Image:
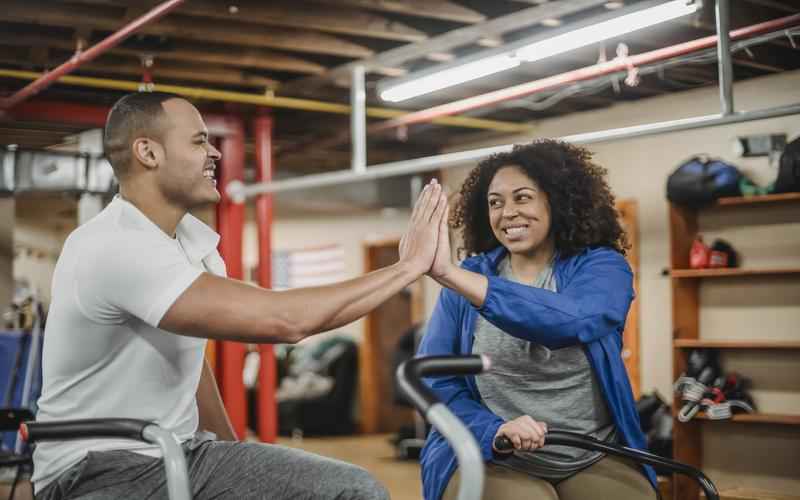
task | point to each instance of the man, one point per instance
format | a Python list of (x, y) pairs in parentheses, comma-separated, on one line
[(138, 289)]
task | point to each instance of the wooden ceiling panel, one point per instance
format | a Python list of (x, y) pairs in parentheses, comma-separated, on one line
[(215, 54), (346, 21), (43, 13), (434, 9)]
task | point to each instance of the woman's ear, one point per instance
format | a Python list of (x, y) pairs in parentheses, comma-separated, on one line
[(147, 152)]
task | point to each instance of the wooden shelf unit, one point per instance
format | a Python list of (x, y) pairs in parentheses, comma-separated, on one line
[(758, 200), (736, 344), (726, 272), (757, 418), (684, 227)]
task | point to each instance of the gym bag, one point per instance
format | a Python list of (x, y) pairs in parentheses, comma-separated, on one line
[(789, 170), (701, 180)]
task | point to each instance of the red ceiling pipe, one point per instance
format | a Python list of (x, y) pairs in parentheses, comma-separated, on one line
[(79, 58), (230, 226), (586, 73), (268, 374), (92, 115), (67, 113)]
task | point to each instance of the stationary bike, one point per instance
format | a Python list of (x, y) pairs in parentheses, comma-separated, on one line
[(467, 451)]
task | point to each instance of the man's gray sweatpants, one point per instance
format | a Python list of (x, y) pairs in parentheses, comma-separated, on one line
[(217, 469)]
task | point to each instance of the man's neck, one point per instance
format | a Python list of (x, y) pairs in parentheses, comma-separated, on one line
[(154, 207)]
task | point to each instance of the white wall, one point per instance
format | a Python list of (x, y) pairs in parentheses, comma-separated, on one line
[(351, 232)]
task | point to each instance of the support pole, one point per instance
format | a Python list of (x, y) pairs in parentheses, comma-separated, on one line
[(267, 376), (358, 120), (724, 57), (230, 226)]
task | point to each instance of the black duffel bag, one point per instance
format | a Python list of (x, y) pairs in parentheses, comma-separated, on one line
[(701, 180), (789, 170)]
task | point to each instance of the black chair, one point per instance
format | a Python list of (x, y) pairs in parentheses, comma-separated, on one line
[(331, 413), (10, 419)]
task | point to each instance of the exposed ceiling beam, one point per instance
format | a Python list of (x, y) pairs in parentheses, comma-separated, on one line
[(184, 51), (773, 4), (449, 40), (756, 65), (106, 18), (432, 9), (106, 65), (340, 21)]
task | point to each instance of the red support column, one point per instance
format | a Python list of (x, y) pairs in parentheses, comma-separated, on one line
[(230, 225), (267, 377)]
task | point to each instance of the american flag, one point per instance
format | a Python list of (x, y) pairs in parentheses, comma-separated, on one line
[(307, 267)]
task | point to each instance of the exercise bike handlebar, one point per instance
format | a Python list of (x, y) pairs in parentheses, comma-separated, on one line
[(127, 428), (563, 438), (409, 377)]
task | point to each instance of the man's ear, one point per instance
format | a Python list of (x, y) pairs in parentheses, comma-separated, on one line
[(148, 152)]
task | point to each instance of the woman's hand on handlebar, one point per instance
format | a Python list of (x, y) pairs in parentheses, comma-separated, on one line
[(525, 433)]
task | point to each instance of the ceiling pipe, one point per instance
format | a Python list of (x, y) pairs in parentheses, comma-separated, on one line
[(241, 192), (94, 115), (581, 74), (80, 58), (358, 120), (725, 67), (267, 101)]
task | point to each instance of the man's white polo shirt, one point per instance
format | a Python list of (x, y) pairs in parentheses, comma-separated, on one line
[(104, 355)]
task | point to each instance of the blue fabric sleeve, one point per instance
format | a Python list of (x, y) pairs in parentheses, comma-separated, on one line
[(592, 304), (442, 337)]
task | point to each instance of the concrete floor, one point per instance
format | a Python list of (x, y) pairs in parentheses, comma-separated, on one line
[(372, 452)]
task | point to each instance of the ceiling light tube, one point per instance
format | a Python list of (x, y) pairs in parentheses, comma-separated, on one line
[(449, 77), (502, 59), (598, 32)]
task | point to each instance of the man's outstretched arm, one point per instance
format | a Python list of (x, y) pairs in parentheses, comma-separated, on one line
[(225, 309)]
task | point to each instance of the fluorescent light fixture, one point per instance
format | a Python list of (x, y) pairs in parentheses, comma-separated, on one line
[(449, 77), (552, 22), (606, 29), (541, 49)]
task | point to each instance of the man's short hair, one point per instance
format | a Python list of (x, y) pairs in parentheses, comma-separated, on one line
[(134, 115)]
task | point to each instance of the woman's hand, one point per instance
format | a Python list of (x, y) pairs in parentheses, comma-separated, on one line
[(418, 245), (525, 433)]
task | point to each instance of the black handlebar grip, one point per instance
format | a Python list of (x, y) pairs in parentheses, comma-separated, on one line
[(503, 444), (84, 429), (410, 373)]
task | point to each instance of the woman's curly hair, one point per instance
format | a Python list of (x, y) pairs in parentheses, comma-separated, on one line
[(582, 207)]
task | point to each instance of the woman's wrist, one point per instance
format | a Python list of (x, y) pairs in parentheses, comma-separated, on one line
[(446, 276), (473, 286)]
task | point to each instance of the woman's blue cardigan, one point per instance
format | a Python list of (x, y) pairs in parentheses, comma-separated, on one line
[(595, 290)]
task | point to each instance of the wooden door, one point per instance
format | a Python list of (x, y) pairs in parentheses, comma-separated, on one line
[(630, 338), (383, 328)]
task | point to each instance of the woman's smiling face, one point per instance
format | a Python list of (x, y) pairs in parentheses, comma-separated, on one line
[(519, 211)]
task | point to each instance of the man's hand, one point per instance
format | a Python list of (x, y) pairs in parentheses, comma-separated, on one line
[(418, 245), (443, 261), (524, 432)]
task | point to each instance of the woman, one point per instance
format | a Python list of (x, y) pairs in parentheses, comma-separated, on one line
[(545, 293)]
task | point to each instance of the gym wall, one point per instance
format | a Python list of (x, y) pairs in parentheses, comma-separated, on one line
[(350, 231)]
